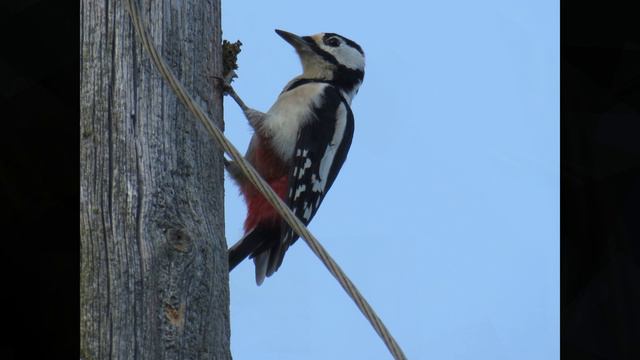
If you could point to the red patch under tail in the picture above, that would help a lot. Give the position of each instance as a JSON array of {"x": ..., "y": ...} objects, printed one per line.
[{"x": 258, "y": 208}]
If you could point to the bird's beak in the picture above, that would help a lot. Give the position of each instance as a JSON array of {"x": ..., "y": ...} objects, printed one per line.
[{"x": 296, "y": 41}]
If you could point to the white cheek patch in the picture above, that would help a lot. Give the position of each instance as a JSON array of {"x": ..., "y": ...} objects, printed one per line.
[
  {"x": 349, "y": 57},
  {"x": 344, "y": 54}
]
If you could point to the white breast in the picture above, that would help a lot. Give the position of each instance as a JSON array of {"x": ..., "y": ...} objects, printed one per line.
[{"x": 292, "y": 109}]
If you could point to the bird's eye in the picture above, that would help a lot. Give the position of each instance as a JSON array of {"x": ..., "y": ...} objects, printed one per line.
[{"x": 333, "y": 42}]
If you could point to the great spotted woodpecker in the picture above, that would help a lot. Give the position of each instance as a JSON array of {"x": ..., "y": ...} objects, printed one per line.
[{"x": 298, "y": 146}]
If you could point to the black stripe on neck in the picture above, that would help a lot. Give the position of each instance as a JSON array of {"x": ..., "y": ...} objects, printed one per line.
[
  {"x": 346, "y": 78},
  {"x": 345, "y": 83},
  {"x": 301, "y": 82}
]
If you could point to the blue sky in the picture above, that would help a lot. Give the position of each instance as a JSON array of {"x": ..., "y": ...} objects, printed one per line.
[{"x": 446, "y": 212}]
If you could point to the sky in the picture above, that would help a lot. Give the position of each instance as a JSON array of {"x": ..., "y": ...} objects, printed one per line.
[{"x": 446, "y": 212}]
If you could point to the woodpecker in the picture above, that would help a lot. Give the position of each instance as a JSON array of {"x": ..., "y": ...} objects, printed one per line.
[{"x": 298, "y": 146}]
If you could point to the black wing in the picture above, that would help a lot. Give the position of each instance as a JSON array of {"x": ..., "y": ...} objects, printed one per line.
[{"x": 315, "y": 165}]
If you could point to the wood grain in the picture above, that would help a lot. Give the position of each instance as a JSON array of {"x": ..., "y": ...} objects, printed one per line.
[{"x": 154, "y": 278}]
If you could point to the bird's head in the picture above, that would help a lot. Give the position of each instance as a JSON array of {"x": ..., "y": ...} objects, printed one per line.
[{"x": 329, "y": 56}]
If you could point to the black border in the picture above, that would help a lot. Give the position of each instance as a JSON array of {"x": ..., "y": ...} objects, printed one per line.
[
  {"x": 39, "y": 178},
  {"x": 600, "y": 174}
]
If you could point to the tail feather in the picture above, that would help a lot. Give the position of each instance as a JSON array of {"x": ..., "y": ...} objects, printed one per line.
[
  {"x": 243, "y": 248},
  {"x": 273, "y": 264},
  {"x": 288, "y": 237},
  {"x": 261, "y": 261},
  {"x": 258, "y": 243}
]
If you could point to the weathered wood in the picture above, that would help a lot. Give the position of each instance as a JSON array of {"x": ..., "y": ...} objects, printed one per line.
[{"x": 154, "y": 280}]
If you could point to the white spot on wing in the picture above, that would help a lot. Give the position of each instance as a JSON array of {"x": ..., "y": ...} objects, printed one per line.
[
  {"x": 316, "y": 184},
  {"x": 307, "y": 212},
  {"x": 299, "y": 191},
  {"x": 306, "y": 165}
]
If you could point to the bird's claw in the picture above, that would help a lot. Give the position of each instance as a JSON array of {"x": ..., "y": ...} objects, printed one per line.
[{"x": 223, "y": 85}]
